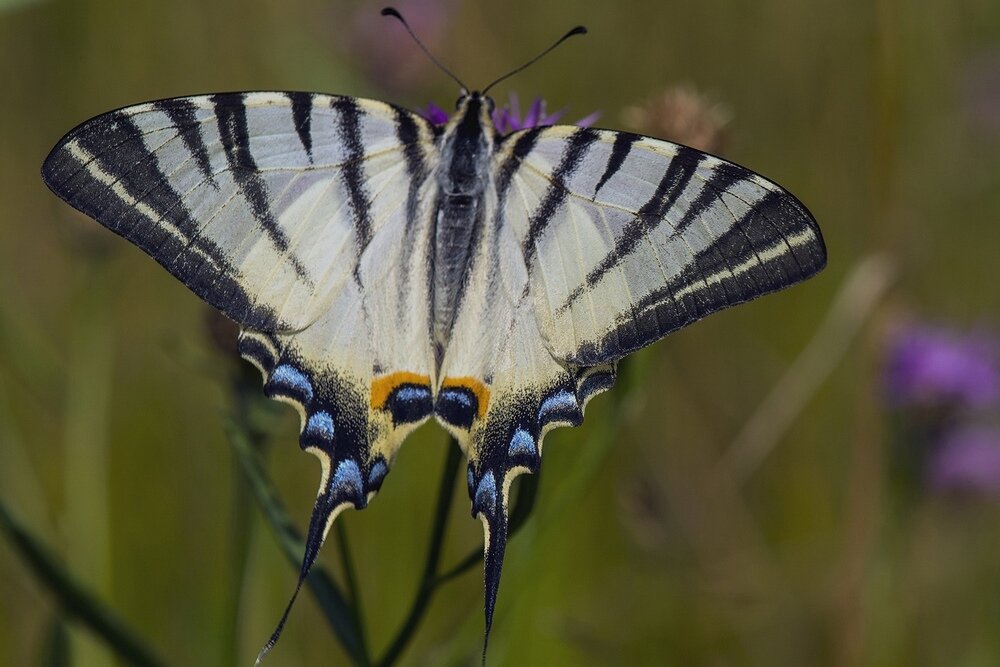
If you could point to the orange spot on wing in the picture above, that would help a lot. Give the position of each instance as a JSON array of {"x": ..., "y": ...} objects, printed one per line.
[
  {"x": 383, "y": 386},
  {"x": 477, "y": 387}
]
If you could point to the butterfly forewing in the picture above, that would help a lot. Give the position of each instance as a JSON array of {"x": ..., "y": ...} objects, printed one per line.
[
  {"x": 251, "y": 199},
  {"x": 628, "y": 238}
]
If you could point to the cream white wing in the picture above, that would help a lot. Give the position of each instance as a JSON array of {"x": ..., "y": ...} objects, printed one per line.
[
  {"x": 259, "y": 202},
  {"x": 627, "y": 238},
  {"x": 596, "y": 243}
]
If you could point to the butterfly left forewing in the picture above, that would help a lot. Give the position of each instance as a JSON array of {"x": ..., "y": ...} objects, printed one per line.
[{"x": 250, "y": 199}]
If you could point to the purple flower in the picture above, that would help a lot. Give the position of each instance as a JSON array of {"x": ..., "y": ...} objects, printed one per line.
[
  {"x": 435, "y": 114},
  {"x": 967, "y": 460},
  {"x": 936, "y": 365},
  {"x": 508, "y": 117}
]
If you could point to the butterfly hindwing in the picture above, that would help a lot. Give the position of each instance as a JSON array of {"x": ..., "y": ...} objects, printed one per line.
[
  {"x": 500, "y": 388},
  {"x": 628, "y": 238}
]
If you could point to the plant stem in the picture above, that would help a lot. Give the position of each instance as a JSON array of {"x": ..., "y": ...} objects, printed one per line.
[
  {"x": 429, "y": 581},
  {"x": 352, "y": 584}
]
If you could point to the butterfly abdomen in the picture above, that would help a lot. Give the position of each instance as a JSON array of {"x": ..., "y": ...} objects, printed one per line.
[{"x": 454, "y": 237}]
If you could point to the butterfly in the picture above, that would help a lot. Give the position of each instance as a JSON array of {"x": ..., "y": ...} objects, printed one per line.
[{"x": 385, "y": 270}]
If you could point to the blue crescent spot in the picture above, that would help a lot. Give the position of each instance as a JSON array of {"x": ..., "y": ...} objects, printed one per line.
[
  {"x": 377, "y": 474},
  {"x": 521, "y": 444},
  {"x": 561, "y": 400},
  {"x": 292, "y": 377},
  {"x": 321, "y": 424},
  {"x": 486, "y": 494},
  {"x": 412, "y": 394},
  {"x": 346, "y": 480},
  {"x": 457, "y": 395},
  {"x": 471, "y": 478}
]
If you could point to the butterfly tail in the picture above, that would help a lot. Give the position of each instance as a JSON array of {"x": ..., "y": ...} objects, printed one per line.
[
  {"x": 341, "y": 490},
  {"x": 490, "y": 492},
  {"x": 281, "y": 626},
  {"x": 490, "y": 505},
  {"x": 351, "y": 473},
  {"x": 508, "y": 444}
]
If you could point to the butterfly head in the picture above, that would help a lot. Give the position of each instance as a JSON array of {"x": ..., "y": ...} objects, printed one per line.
[
  {"x": 466, "y": 96},
  {"x": 474, "y": 107}
]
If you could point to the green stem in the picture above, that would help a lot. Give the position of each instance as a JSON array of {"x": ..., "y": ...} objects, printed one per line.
[
  {"x": 428, "y": 582},
  {"x": 471, "y": 560},
  {"x": 75, "y": 601},
  {"x": 241, "y": 533},
  {"x": 352, "y": 584}
]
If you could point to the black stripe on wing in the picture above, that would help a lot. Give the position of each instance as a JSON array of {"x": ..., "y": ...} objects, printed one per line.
[
  {"x": 104, "y": 169},
  {"x": 182, "y": 112},
  {"x": 650, "y": 216},
  {"x": 302, "y": 104},
  {"x": 775, "y": 244},
  {"x": 524, "y": 142},
  {"x": 231, "y": 111},
  {"x": 353, "y": 171},
  {"x": 576, "y": 147},
  {"x": 619, "y": 152},
  {"x": 408, "y": 134}
]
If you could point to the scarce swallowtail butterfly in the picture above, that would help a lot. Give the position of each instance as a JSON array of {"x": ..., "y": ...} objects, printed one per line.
[{"x": 384, "y": 270}]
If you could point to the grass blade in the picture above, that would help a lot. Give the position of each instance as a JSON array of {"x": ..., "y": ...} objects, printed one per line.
[{"x": 73, "y": 598}]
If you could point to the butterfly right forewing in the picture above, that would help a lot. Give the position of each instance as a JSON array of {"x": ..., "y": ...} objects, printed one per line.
[{"x": 628, "y": 238}]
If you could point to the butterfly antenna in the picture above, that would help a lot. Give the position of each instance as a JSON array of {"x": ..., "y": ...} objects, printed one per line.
[
  {"x": 392, "y": 11},
  {"x": 578, "y": 30}
]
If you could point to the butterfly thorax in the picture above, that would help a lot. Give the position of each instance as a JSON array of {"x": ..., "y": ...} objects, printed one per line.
[{"x": 463, "y": 176}]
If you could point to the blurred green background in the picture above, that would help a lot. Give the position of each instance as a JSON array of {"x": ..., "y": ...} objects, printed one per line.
[{"x": 753, "y": 498}]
